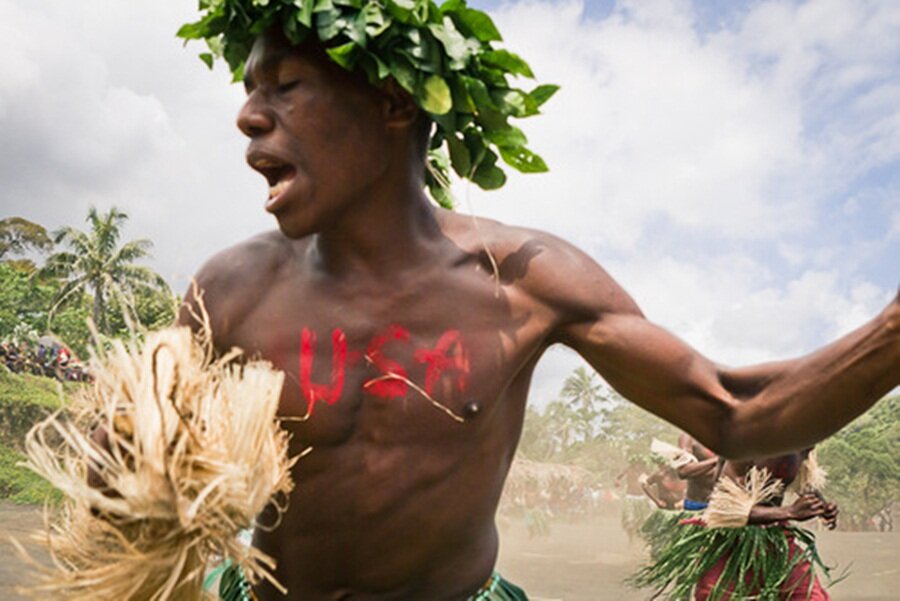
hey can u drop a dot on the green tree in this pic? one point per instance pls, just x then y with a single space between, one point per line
18 236
24 300
97 264
863 463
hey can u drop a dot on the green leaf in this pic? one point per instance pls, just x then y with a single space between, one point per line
523 160
441 195
403 11
356 29
405 73
511 102
304 11
513 136
452 5
207 58
489 177
436 96
542 94
481 25
376 22
456 45
329 23
478 92
345 55
508 61
460 157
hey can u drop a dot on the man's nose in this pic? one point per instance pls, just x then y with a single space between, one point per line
254 119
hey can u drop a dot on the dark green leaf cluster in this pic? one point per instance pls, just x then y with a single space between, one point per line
442 55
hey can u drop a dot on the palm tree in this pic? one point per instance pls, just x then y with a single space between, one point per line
95 262
582 390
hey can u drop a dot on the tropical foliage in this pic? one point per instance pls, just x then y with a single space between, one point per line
19 236
863 463
96 263
442 55
58 297
591 426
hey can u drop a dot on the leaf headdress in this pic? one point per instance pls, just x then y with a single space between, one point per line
442 55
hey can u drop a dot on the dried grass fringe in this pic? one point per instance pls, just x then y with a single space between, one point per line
811 477
195 453
730 502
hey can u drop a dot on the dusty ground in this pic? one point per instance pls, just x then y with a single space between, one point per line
580 562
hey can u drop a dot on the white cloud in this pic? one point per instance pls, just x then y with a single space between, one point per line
651 121
102 106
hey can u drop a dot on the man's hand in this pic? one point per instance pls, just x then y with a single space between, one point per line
806 507
830 515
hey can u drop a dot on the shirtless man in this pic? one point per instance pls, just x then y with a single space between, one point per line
370 296
665 488
701 475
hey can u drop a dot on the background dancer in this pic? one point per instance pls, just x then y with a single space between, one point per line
743 546
700 475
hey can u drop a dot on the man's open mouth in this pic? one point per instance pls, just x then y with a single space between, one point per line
277 173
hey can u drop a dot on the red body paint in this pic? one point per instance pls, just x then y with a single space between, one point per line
448 357
388 388
322 392
439 360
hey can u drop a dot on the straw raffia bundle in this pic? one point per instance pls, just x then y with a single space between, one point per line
730 502
194 454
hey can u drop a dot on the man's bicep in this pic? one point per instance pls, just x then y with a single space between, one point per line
656 370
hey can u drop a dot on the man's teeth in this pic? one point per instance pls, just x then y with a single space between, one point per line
279 188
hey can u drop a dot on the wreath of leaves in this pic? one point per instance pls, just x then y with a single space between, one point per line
442 55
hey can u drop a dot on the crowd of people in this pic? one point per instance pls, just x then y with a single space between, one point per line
46 357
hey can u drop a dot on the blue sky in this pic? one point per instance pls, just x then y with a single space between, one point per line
735 165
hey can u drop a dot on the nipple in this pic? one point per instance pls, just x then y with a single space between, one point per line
472 409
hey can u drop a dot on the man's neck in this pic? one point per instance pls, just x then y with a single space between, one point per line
387 231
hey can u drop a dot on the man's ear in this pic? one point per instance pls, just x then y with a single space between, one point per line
400 110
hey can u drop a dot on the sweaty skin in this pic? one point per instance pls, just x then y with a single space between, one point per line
357 298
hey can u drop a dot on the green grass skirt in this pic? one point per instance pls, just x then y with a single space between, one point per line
759 561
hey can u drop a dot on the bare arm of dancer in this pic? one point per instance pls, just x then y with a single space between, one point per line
804 508
754 411
698 468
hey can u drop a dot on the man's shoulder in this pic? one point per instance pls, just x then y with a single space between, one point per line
552 271
246 261
230 281
505 241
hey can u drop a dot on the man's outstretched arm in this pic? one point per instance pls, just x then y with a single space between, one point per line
747 412
757 411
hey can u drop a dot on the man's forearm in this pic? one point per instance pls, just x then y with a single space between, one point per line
794 404
699 468
761 515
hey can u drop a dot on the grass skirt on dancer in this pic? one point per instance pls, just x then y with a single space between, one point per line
660 529
766 563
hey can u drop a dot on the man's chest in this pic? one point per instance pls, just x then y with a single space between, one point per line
383 360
